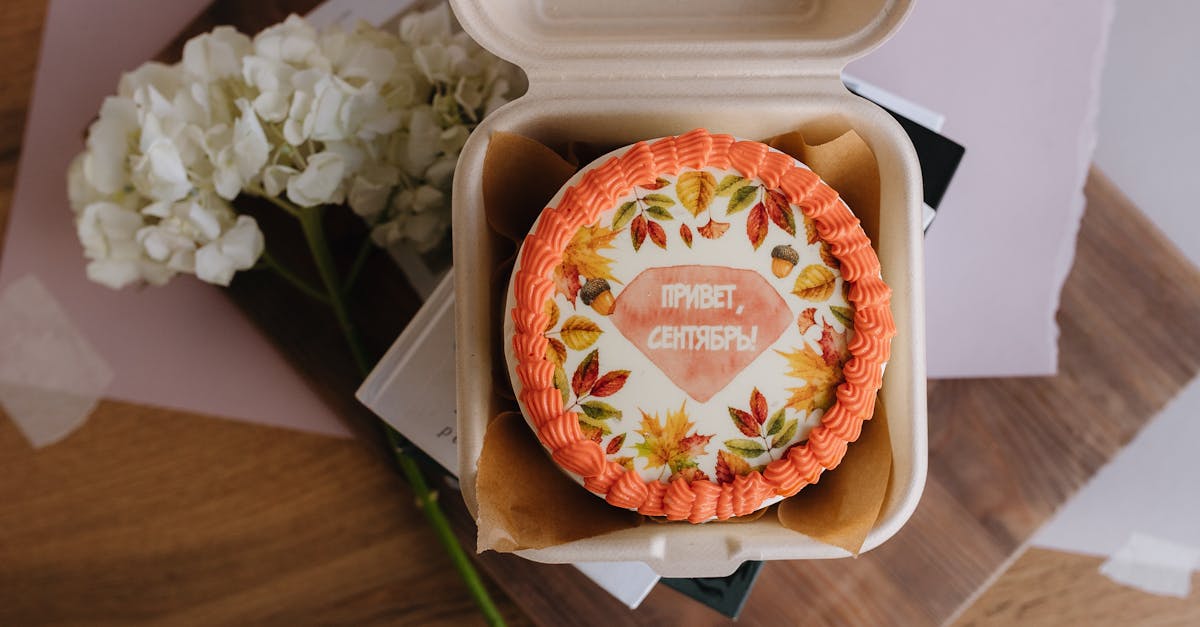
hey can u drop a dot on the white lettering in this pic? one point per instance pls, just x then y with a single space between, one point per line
698 296
702 337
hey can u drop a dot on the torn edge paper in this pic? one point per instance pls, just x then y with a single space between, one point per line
51 377
1153 565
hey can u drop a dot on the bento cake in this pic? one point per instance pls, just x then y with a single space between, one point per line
697 327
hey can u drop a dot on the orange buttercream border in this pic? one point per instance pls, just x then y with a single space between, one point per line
581 205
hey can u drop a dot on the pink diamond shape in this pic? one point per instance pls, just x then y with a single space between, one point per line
701 325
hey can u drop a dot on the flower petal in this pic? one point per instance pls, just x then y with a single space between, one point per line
319 182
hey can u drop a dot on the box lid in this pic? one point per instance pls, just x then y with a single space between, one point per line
647 39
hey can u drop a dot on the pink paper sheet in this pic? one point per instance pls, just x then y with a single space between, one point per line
1019 85
185 345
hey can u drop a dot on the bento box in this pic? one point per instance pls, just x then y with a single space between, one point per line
614 73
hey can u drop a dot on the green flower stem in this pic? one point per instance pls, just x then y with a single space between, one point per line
270 263
314 234
427 503
360 260
311 222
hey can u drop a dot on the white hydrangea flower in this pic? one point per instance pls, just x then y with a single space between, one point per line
158 174
110 139
294 41
365 117
243 154
216 55
238 248
320 182
428 26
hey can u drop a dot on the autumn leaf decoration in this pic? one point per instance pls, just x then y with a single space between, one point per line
696 191
807 320
845 315
588 385
582 259
820 371
815 283
577 333
730 466
767 206
763 435
643 215
670 446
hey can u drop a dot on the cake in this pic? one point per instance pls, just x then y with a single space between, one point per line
696 327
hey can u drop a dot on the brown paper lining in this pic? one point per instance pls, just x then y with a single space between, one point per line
545 507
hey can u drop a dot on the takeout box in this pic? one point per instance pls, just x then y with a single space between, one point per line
617 72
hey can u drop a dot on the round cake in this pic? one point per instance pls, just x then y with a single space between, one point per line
697 327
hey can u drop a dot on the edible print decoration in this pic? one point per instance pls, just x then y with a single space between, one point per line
686 346
701 325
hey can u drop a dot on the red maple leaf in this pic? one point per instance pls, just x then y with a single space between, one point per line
758 406
610 383
745 422
780 211
756 225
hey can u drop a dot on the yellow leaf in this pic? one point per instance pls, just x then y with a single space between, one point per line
696 190
556 352
579 333
820 379
815 283
582 258
552 313
827 256
668 444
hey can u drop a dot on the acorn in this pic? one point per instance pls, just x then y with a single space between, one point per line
598 294
783 259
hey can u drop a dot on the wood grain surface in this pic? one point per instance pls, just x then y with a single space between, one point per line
153 516
1045 588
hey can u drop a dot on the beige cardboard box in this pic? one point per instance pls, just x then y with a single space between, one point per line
616 72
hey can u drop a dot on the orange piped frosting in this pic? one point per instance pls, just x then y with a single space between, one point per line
629 491
652 505
580 459
694 498
679 498
705 505
725 502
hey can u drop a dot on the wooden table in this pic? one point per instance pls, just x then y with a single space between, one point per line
149 515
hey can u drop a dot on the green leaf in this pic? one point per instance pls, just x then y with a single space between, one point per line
845 315
745 448
592 422
729 184
742 198
776 422
659 212
560 382
661 200
789 432
624 214
599 410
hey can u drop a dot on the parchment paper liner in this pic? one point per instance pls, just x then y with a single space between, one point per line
545 507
